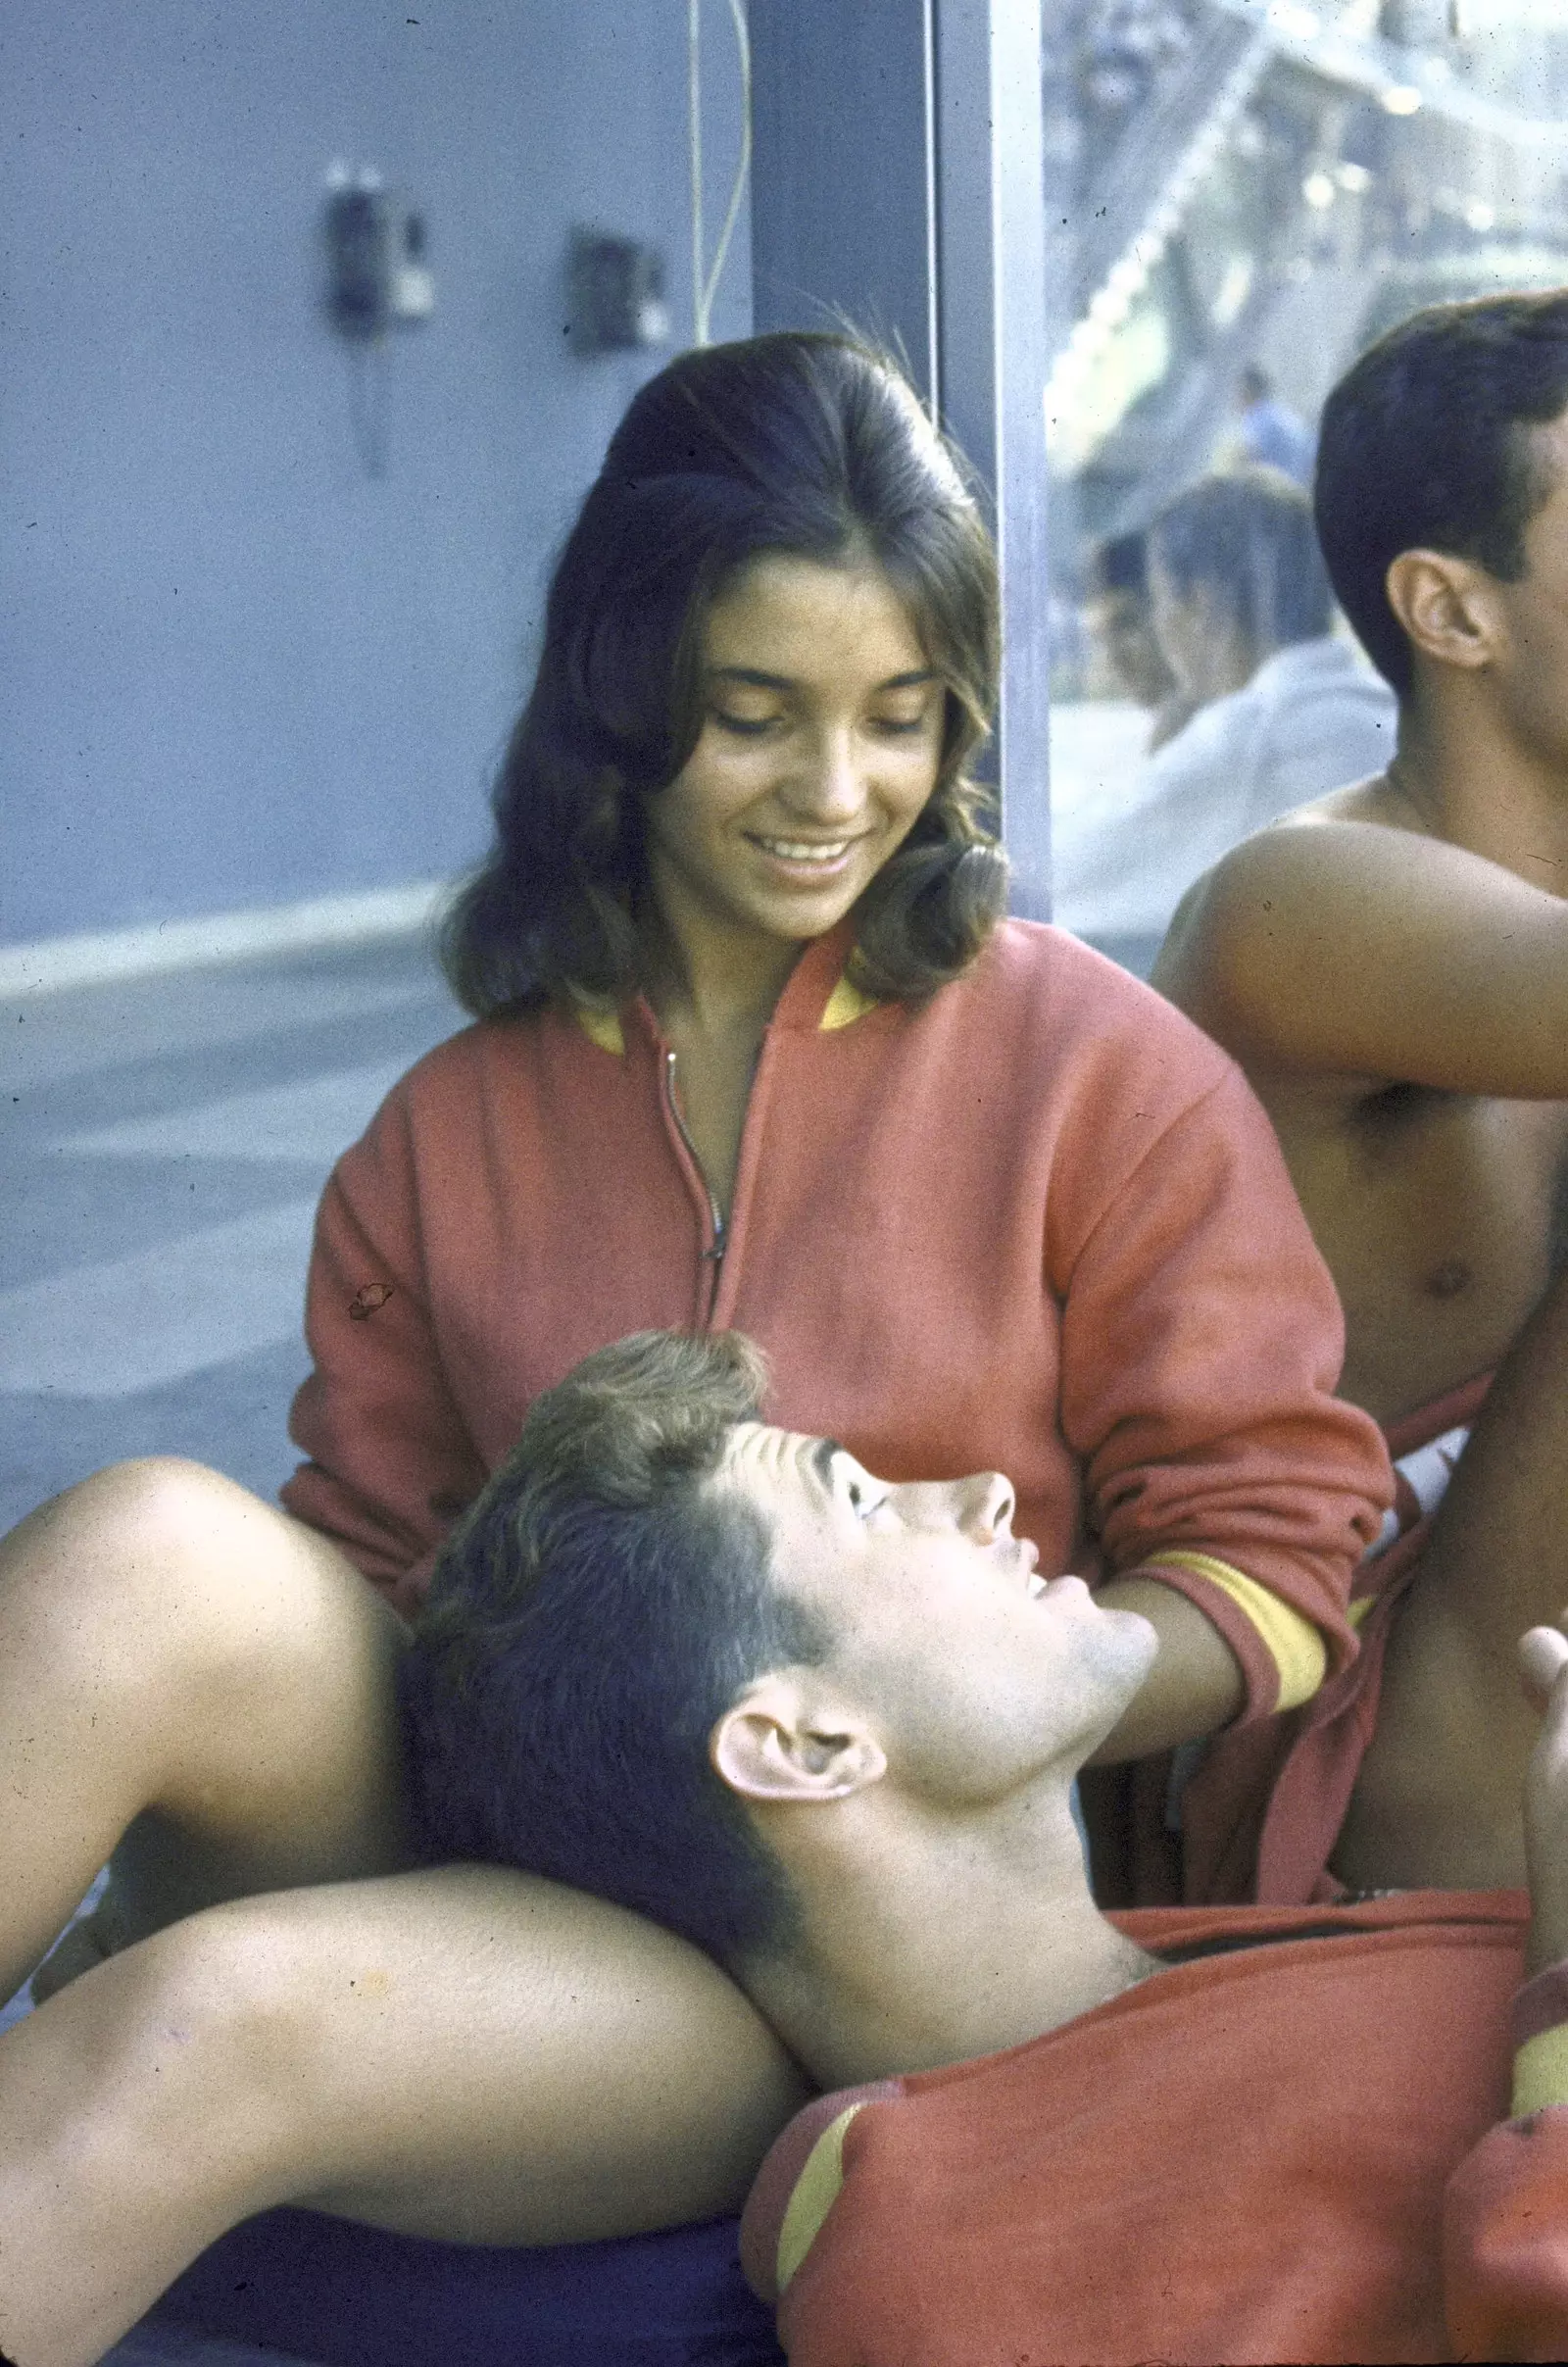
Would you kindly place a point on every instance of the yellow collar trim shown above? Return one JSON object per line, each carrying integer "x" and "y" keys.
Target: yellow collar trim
{"x": 602, "y": 1027}
{"x": 1539, "y": 2076}
{"x": 813, "y": 2195}
{"x": 845, "y": 1004}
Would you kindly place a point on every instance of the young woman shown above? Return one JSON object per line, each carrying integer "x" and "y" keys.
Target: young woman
{"x": 755, "y": 1050}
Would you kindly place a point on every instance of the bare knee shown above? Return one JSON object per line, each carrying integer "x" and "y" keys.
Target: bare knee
{"x": 235, "y": 1667}
{"x": 178, "y": 2072}
{"x": 161, "y": 1565}
{"x": 123, "y": 1545}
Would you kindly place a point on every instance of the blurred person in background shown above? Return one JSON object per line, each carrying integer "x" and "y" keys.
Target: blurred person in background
{"x": 1283, "y": 709}
{"x": 1269, "y": 434}
{"x": 1117, "y": 616}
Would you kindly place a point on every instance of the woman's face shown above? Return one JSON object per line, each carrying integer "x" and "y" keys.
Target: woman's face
{"x": 820, "y": 742}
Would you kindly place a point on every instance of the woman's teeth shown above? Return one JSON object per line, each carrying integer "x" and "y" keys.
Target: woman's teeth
{"x": 798, "y": 850}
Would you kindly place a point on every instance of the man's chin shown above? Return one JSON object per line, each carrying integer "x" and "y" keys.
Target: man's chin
{"x": 1139, "y": 1641}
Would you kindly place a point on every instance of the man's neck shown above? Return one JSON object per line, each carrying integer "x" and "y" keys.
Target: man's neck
{"x": 1462, "y": 777}
{"x": 930, "y": 1941}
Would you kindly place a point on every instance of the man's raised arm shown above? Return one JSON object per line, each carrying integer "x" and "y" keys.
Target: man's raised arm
{"x": 1359, "y": 951}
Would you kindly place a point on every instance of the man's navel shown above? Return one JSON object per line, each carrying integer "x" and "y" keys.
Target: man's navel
{"x": 1449, "y": 1279}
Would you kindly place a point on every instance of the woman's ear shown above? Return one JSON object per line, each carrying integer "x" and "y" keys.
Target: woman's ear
{"x": 1444, "y": 606}
{"x": 781, "y": 1742}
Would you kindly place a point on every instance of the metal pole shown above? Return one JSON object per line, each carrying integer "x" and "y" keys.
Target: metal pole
{"x": 992, "y": 364}
{"x": 898, "y": 187}
{"x": 842, "y": 228}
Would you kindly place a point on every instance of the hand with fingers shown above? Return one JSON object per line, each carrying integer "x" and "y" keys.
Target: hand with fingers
{"x": 1543, "y": 1667}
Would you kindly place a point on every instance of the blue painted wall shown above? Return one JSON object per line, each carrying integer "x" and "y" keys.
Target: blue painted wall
{"x": 235, "y": 670}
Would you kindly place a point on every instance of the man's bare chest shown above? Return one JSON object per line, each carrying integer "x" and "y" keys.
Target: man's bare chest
{"x": 1441, "y": 1217}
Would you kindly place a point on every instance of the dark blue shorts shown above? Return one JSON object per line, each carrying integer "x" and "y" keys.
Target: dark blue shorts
{"x": 329, "y": 2290}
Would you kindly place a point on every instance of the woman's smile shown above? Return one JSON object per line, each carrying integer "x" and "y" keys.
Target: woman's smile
{"x": 819, "y": 748}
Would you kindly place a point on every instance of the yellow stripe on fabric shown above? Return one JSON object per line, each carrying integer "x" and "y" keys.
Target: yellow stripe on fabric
{"x": 845, "y": 1004}
{"x": 602, "y": 1027}
{"x": 1541, "y": 2071}
{"x": 1359, "y": 1611}
{"x": 813, "y": 2195}
{"x": 1293, "y": 1642}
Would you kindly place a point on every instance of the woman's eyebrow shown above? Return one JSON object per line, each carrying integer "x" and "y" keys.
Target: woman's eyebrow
{"x": 751, "y": 674}
{"x": 757, "y": 681}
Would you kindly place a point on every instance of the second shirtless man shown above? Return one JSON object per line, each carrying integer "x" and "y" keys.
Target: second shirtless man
{"x": 1390, "y": 966}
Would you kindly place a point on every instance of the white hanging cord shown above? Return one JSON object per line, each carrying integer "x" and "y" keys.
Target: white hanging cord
{"x": 704, "y": 288}
{"x": 694, "y": 117}
{"x": 742, "y": 53}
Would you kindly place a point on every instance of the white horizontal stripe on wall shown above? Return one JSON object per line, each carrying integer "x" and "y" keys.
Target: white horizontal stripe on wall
{"x": 137, "y": 1322}
{"x": 52, "y": 963}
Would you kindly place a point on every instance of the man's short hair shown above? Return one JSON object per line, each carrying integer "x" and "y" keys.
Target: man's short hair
{"x": 589, "y": 1620}
{"x": 1118, "y": 564}
{"x": 1425, "y": 444}
{"x": 1244, "y": 536}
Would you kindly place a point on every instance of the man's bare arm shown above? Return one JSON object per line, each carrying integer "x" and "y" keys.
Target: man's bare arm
{"x": 1354, "y": 950}
{"x": 1194, "y": 1687}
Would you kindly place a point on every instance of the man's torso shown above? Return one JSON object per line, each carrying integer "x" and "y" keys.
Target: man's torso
{"x": 1441, "y": 1215}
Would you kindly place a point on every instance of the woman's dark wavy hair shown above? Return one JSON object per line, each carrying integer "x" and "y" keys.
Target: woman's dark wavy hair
{"x": 807, "y": 445}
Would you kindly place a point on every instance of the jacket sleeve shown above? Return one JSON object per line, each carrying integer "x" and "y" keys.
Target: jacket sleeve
{"x": 1506, "y": 2212}
{"x": 1202, "y": 1342}
{"x": 391, "y": 1461}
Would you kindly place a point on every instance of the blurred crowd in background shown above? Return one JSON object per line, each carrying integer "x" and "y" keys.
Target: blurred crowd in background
{"x": 1242, "y": 195}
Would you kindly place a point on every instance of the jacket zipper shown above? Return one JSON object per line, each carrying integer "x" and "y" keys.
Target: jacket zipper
{"x": 713, "y": 1257}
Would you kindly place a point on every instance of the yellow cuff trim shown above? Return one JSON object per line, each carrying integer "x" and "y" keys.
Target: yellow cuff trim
{"x": 1293, "y": 1642}
{"x": 1541, "y": 2071}
{"x": 813, "y": 2195}
{"x": 845, "y": 1004}
{"x": 1360, "y": 1610}
{"x": 602, "y": 1027}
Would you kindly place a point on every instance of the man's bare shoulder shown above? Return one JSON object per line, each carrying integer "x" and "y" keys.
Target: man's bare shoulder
{"x": 1349, "y": 942}
{"x": 1301, "y": 877}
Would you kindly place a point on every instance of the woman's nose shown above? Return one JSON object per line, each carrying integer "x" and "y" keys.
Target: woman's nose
{"x": 828, "y": 787}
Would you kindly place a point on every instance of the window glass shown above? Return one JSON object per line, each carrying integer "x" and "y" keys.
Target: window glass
{"x": 1241, "y": 196}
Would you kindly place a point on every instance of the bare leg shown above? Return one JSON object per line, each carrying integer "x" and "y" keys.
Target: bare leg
{"x": 1438, "y": 1798}
{"x": 176, "y": 1651}
{"x": 465, "y": 2053}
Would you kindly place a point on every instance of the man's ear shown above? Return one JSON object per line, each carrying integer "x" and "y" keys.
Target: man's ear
{"x": 783, "y": 1741}
{"x": 1446, "y": 606}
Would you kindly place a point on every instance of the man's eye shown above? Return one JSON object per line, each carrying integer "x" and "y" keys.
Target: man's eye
{"x": 901, "y": 727}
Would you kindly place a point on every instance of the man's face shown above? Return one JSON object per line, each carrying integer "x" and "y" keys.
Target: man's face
{"x": 1120, "y": 622}
{"x": 1532, "y": 665}
{"x": 974, "y": 1673}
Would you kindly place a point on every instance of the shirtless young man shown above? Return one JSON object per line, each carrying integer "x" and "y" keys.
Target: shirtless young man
{"x": 1390, "y": 966}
